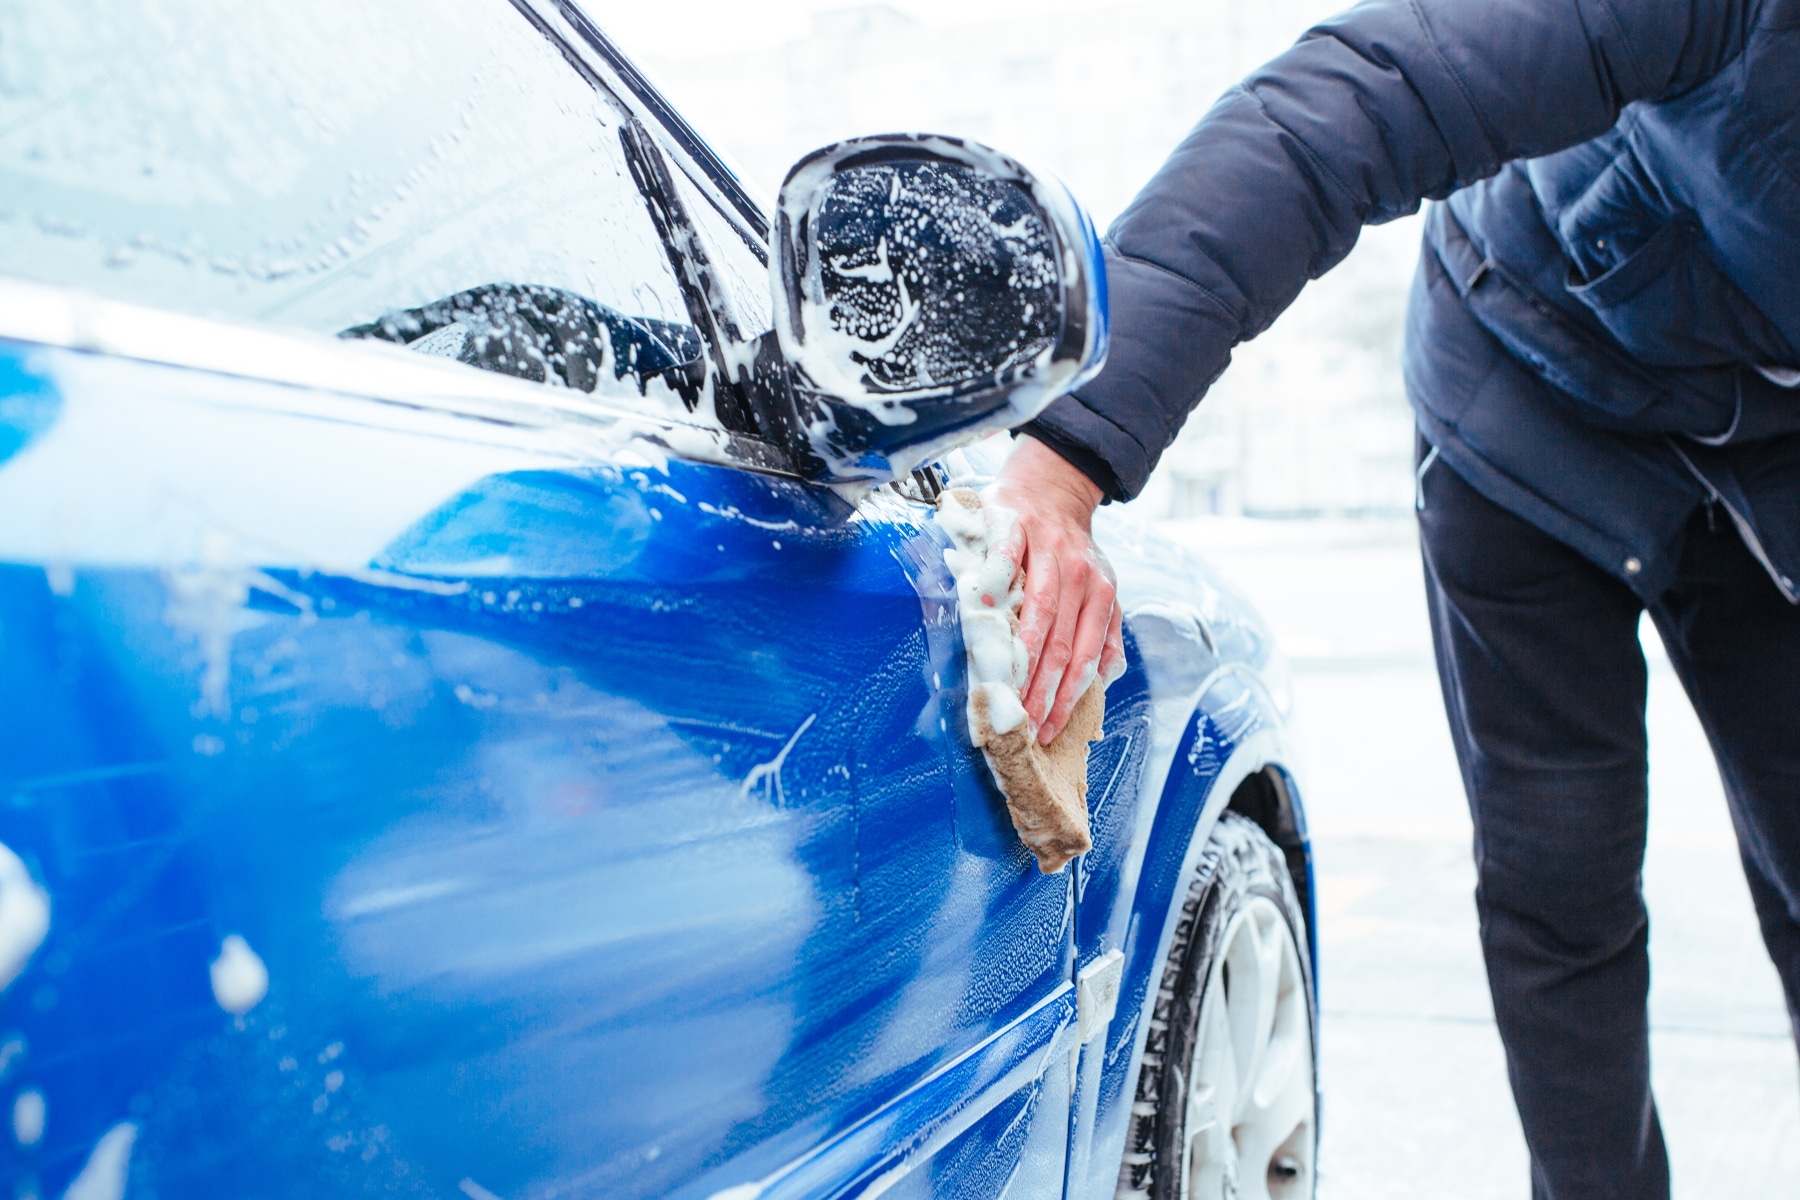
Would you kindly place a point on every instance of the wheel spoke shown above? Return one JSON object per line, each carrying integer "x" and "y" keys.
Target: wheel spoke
{"x": 1289, "y": 1107}
{"x": 1253, "y": 955}
{"x": 1278, "y": 1107}
{"x": 1212, "y": 1101}
{"x": 1283, "y": 1097}
{"x": 1268, "y": 1128}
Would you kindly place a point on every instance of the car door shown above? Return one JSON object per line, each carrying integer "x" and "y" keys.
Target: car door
{"x": 432, "y": 793}
{"x": 784, "y": 892}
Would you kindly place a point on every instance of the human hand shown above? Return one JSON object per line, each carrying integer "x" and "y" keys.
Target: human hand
{"x": 1071, "y": 622}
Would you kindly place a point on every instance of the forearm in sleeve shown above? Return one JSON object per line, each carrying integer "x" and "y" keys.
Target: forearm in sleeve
{"x": 1386, "y": 105}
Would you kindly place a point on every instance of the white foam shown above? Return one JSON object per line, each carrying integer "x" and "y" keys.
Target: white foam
{"x": 28, "y": 1117}
{"x": 1005, "y": 710}
{"x": 239, "y": 978}
{"x": 24, "y": 916}
{"x": 743, "y": 1191}
{"x": 986, "y": 600}
{"x": 103, "y": 1178}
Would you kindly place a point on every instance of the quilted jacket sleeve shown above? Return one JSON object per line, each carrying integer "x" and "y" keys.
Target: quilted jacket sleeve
{"x": 1388, "y": 104}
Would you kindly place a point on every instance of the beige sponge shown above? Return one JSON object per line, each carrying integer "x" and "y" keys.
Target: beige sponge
{"x": 1045, "y": 786}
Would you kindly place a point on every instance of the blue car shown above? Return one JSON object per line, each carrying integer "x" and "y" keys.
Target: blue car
{"x": 483, "y": 710}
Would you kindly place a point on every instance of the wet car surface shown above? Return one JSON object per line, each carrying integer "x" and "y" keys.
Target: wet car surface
{"x": 451, "y": 740}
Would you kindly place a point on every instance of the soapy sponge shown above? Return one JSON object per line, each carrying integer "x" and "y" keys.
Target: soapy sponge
{"x": 1045, "y": 786}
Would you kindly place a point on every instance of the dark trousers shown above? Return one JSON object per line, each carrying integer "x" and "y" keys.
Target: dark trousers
{"x": 1544, "y": 683}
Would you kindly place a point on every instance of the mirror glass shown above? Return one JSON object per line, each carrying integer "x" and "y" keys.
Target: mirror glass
{"x": 933, "y": 275}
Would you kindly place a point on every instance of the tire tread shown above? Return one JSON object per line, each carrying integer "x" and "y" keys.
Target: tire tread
{"x": 1238, "y": 858}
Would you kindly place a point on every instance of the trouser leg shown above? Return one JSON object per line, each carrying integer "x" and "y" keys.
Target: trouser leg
{"x": 1736, "y": 645}
{"x": 1544, "y": 683}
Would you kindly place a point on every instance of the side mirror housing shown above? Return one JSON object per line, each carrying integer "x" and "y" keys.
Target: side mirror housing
{"x": 928, "y": 291}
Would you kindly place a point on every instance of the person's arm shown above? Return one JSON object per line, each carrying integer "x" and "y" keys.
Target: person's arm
{"x": 1071, "y": 615}
{"x": 1386, "y": 105}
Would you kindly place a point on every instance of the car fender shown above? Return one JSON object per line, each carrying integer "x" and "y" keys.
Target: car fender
{"x": 1233, "y": 730}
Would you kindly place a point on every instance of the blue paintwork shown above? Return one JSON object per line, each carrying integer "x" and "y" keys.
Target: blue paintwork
{"x": 613, "y": 830}
{"x": 986, "y": 1092}
{"x": 608, "y": 826}
{"x": 1095, "y": 255}
{"x": 28, "y": 404}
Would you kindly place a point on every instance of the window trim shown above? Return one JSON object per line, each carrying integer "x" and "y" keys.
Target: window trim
{"x": 736, "y": 368}
{"x": 702, "y": 164}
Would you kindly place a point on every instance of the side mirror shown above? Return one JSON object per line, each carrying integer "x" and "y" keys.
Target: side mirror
{"x": 928, "y": 291}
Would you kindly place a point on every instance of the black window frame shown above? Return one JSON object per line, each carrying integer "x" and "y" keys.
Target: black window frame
{"x": 752, "y": 408}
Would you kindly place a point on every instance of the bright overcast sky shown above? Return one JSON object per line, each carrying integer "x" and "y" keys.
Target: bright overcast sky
{"x": 696, "y": 28}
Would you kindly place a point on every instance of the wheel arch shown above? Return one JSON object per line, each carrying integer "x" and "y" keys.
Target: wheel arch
{"x": 1233, "y": 755}
{"x": 1252, "y": 781}
{"x": 1269, "y": 797}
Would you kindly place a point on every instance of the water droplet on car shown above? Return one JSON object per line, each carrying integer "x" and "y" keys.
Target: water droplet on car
{"x": 240, "y": 980}
{"x": 28, "y": 1117}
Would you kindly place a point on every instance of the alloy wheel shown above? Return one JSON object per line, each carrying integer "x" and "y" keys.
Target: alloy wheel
{"x": 1249, "y": 1115}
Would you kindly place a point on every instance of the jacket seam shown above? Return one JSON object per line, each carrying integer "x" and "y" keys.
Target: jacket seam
{"x": 1456, "y": 79}
{"x": 1313, "y": 156}
{"x": 1135, "y": 439}
{"x": 1637, "y": 67}
{"x": 1747, "y": 531}
{"x": 1461, "y": 447}
{"x": 1217, "y": 300}
{"x": 1172, "y": 425}
{"x": 1762, "y": 151}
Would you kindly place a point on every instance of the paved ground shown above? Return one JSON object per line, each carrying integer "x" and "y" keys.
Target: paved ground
{"x": 1416, "y": 1097}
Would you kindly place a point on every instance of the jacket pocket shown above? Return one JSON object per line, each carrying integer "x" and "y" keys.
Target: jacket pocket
{"x": 1670, "y": 305}
{"x": 1611, "y": 388}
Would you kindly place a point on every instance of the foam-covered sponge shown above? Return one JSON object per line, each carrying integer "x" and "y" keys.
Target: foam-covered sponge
{"x": 1045, "y": 786}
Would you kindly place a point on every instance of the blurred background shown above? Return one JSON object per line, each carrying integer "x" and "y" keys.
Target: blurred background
{"x": 1295, "y": 477}
{"x": 1310, "y": 420}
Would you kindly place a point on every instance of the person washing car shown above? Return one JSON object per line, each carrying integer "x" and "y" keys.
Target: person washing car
{"x": 1601, "y": 353}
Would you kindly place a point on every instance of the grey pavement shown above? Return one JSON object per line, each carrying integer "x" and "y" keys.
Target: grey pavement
{"x": 1416, "y": 1100}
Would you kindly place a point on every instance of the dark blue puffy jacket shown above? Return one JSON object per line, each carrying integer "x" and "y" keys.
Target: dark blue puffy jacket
{"x": 1608, "y": 305}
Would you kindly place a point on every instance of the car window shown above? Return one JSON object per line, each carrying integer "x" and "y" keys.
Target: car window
{"x": 743, "y": 272}
{"x": 430, "y": 172}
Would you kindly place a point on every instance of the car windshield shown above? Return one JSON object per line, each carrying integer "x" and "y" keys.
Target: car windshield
{"x": 429, "y": 172}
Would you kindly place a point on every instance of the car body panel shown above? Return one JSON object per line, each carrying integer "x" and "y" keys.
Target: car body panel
{"x": 581, "y": 742}
{"x": 612, "y": 825}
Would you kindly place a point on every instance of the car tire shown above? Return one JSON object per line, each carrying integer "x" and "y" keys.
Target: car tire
{"x": 1226, "y": 1105}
